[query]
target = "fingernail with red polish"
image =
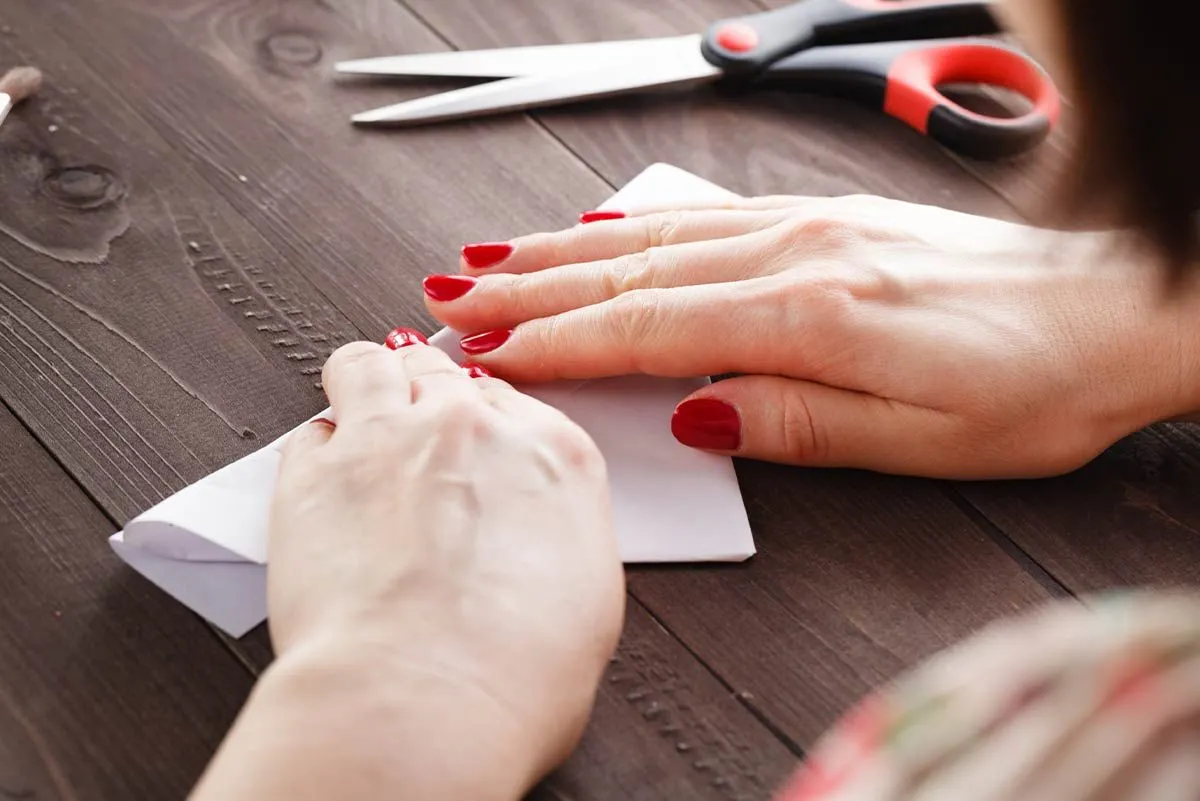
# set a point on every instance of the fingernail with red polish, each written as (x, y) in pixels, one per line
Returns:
(486, 342)
(597, 216)
(486, 254)
(477, 371)
(707, 423)
(403, 337)
(443, 288)
(325, 421)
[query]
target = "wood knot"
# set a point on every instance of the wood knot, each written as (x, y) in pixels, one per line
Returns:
(289, 48)
(83, 188)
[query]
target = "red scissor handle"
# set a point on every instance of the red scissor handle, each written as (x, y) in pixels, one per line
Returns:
(912, 95)
(902, 79)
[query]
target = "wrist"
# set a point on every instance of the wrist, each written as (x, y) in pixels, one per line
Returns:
(1187, 334)
(1152, 337)
(331, 722)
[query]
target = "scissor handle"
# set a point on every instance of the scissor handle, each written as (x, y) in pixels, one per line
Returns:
(752, 43)
(902, 79)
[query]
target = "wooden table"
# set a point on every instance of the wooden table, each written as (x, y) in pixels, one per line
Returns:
(188, 227)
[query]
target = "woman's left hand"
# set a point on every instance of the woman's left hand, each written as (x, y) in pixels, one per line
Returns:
(867, 332)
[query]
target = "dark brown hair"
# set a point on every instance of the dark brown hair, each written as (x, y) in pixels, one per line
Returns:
(1135, 66)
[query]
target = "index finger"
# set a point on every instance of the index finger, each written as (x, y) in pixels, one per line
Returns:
(365, 381)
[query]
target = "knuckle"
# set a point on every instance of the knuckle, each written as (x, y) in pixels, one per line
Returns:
(423, 360)
(354, 352)
(628, 273)
(633, 317)
(802, 437)
(540, 338)
(574, 446)
(816, 301)
(348, 357)
(466, 409)
(825, 233)
(661, 229)
(458, 422)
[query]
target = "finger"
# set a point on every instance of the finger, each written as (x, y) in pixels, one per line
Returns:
(515, 403)
(610, 239)
(728, 203)
(486, 381)
(302, 443)
(364, 381)
(502, 301)
(745, 327)
(804, 423)
(434, 376)
(528, 409)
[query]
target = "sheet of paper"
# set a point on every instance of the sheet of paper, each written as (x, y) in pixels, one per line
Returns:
(206, 545)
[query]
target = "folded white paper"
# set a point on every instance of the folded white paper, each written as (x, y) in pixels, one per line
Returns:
(206, 545)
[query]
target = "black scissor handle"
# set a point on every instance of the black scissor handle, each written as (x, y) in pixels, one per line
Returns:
(902, 79)
(748, 45)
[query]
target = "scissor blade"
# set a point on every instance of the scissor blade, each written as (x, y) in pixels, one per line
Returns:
(684, 65)
(510, 62)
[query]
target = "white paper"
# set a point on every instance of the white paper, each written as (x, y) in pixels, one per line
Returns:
(206, 545)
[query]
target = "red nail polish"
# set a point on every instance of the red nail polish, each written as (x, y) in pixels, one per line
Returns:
(597, 216)
(443, 288)
(707, 423)
(325, 421)
(486, 254)
(403, 337)
(477, 371)
(486, 342)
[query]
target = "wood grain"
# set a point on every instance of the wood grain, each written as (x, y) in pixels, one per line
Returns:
(107, 688)
(763, 143)
(146, 369)
(363, 214)
(858, 578)
(663, 727)
(1129, 519)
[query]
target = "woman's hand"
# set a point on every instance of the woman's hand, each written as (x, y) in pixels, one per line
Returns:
(444, 589)
(866, 332)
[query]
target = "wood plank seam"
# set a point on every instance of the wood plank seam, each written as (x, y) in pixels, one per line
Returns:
(660, 695)
(743, 698)
(1041, 574)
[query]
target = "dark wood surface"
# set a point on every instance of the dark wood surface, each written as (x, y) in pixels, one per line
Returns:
(189, 225)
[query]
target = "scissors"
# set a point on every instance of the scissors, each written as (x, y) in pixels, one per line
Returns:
(877, 52)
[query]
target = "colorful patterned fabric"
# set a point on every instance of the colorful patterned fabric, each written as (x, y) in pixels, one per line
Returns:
(1078, 702)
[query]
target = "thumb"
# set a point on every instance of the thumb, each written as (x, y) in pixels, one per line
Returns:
(805, 423)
